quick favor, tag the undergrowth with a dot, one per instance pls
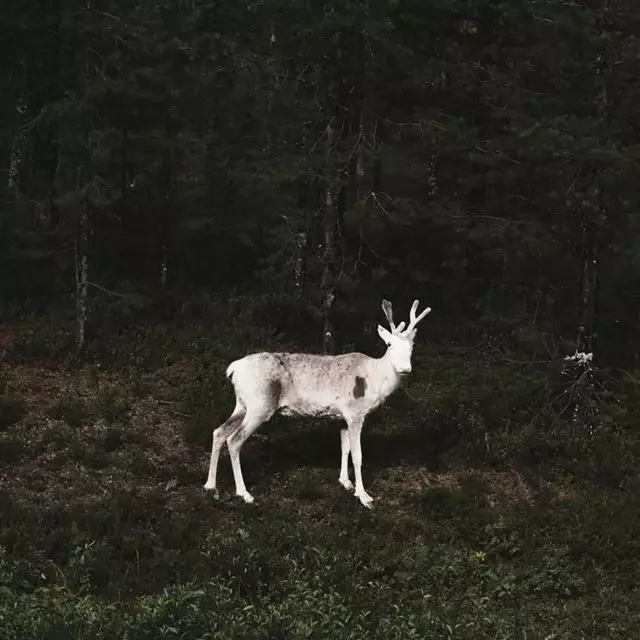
(486, 524)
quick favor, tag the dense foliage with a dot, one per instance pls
(478, 153)
(184, 181)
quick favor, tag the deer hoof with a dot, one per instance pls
(347, 484)
(212, 487)
(366, 500)
(247, 497)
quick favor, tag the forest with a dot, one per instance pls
(184, 182)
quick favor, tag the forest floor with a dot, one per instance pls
(107, 532)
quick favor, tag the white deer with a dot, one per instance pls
(347, 387)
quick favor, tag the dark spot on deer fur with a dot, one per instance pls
(275, 389)
(359, 387)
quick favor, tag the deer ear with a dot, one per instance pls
(384, 334)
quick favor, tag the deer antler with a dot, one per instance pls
(388, 312)
(413, 320)
(387, 309)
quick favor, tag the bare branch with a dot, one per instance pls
(111, 293)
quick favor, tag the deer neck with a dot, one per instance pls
(387, 378)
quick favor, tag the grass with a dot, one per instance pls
(106, 531)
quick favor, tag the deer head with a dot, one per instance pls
(399, 340)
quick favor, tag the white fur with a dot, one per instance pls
(347, 387)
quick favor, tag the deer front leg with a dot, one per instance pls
(355, 427)
(345, 447)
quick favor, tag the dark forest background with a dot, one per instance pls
(185, 181)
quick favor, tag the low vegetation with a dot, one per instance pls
(480, 529)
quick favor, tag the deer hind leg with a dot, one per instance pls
(345, 447)
(257, 413)
(219, 436)
(235, 441)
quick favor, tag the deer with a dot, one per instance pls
(344, 387)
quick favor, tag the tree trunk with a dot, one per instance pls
(593, 212)
(590, 242)
(20, 152)
(166, 193)
(82, 275)
(330, 222)
(354, 133)
(17, 161)
(593, 221)
(299, 268)
(163, 268)
(376, 145)
(344, 144)
(124, 153)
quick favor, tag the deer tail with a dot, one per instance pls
(231, 369)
